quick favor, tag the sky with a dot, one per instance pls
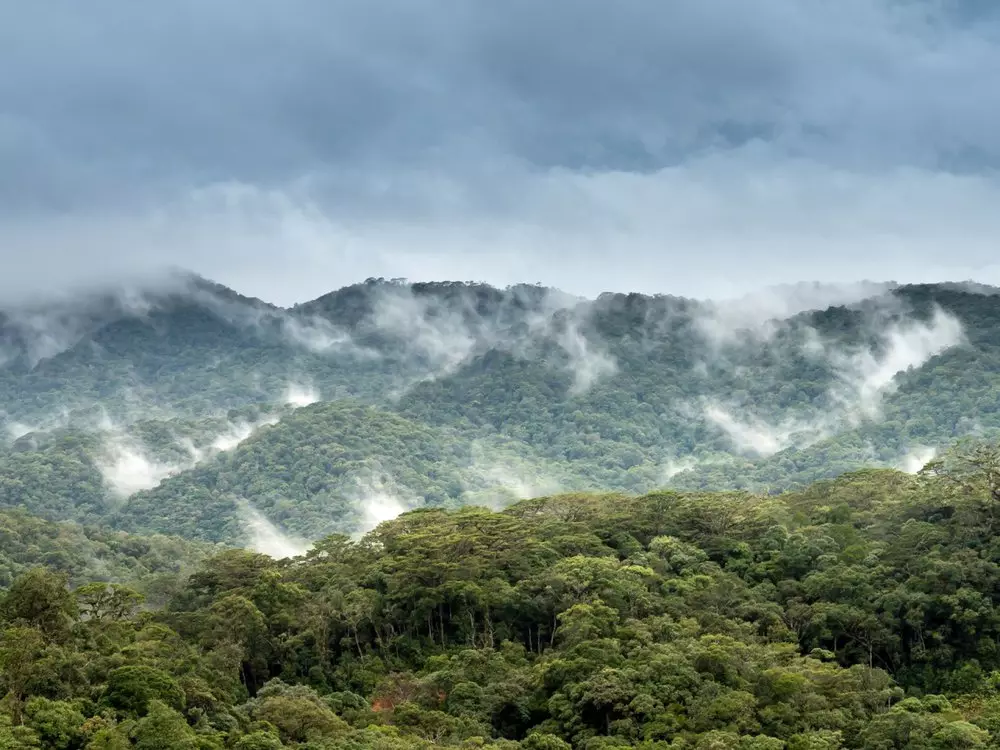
(696, 147)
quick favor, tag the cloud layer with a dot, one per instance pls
(686, 147)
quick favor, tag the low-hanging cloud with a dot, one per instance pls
(755, 436)
(866, 377)
(702, 150)
(300, 394)
(239, 430)
(127, 467)
(54, 322)
(266, 538)
(862, 379)
(763, 312)
(439, 333)
(377, 498)
(916, 458)
(435, 333)
(588, 363)
(496, 476)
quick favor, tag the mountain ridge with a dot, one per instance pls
(625, 392)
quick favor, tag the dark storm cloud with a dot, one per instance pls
(295, 145)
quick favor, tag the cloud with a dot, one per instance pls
(717, 227)
(863, 377)
(317, 335)
(588, 363)
(916, 458)
(300, 394)
(238, 431)
(645, 146)
(752, 435)
(127, 468)
(377, 498)
(763, 312)
(268, 539)
(436, 334)
(866, 376)
(674, 467)
(128, 465)
(497, 475)
(442, 331)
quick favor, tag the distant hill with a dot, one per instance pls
(185, 409)
(153, 564)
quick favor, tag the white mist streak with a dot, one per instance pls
(300, 394)
(756, 436)
(377, 498)
(438, 335)
(237, 432)
(127, 468)
(916, 458)
(764, 312)
(674, 467)
(865, 378)
(268, 539)
(587, 363)
(507, 475)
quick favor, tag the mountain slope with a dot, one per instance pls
(332, 467)
(86, 553)
(454, 393)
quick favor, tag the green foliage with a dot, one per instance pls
(40, 599)
(132, 689)
(860, 613)
(87, 553)
(448, 394)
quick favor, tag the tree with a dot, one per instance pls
(41, 599)
(20, 648)
(57, 724)
(163, 728)
(131, 689)
(107, 601)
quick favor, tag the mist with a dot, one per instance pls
(436, 334)
(866, 377)
(268, 539)
(863, 377)
(238, 431)
(128, 469)
(377, 498)
(675, 467)
(129, 466)
(500, 475)
(300, 394)
(754, 436)
(588, 363)
(761, 313)
(916, 458)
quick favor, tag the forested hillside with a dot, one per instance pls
(858, 613)
(84, 554)
(491, 519)
(123, 408)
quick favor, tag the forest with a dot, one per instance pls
(450, 515)
(860, 612)
(197, 409)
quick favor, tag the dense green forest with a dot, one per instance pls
(85, 554)
(861, 612)
(183, 408)
(504, 518)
